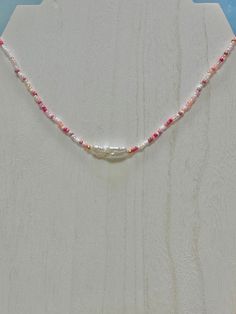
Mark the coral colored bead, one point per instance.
(86, 146)
(60, 124)
(213, 69)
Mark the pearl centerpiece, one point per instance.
(109, 153)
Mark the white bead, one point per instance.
(36, 98)
(163, 128)
(176, 117)
(57, 120)
(143, 145)
(200, 86)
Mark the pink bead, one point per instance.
(213, 69)
(1, 42)
(38, 101)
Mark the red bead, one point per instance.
(169, 121)
(17, 71)
(44, 108)
(153, 137)
(34, 93)
(134, 149)
(66, 130)
(221, 59)
(1, 42)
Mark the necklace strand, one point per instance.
(109, 152)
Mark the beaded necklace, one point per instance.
(110, 152)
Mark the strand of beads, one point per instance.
(111, 153)
(190, 102)
(42, 106)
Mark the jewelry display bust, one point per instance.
(154, 233)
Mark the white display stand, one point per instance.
(154, 234)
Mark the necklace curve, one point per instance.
(112, 153)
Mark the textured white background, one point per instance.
(154, 234)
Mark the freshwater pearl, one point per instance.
(109, 153)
